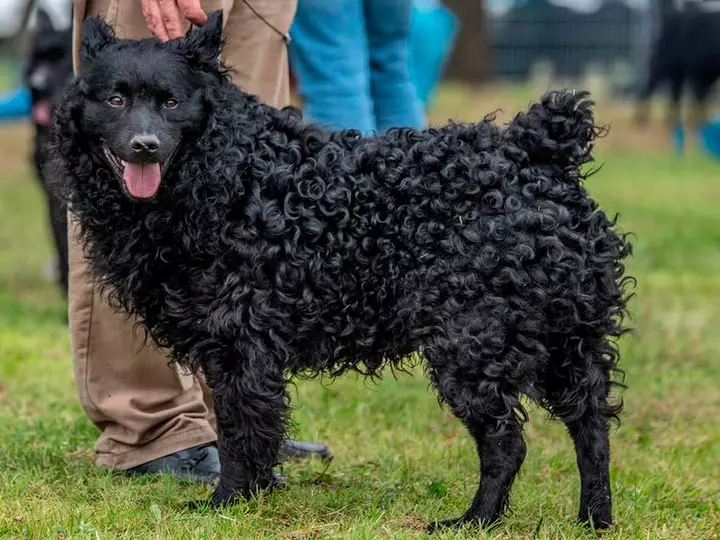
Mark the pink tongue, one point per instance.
(142, 180)
(41, 113)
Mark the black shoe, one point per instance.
(200, 464)
(292, 449)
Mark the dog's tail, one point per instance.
(558, 131)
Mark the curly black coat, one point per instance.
(274, 248)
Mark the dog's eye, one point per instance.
(171, 104)
(116, 101)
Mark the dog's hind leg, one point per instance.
(592, 448)
(701, 88)
(578, 386)
(59, 226)
(487, 407)
(674, 111)
(252, 407)
(642, 107)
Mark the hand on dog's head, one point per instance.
(201, 44)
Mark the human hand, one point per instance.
(165, 17)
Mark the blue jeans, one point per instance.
(351, 61)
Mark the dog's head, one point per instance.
(136, 103)
(48, 67)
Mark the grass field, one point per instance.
(400, 459)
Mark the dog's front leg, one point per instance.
(252, 410)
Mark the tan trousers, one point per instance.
(145, 407)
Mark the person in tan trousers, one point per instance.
(153, 416)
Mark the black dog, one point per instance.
(684, 57)
(258, 248)
(49, 68)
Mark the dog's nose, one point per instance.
(144, 144)
(39, 80)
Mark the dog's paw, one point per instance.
(223, 496)
(597, 522)
(472, 521)
(200, 505)
(437, 526)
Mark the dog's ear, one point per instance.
(67, 112)
(96, 35)
(65, 135)
(43, 21)
(202, 44)
(66, 142)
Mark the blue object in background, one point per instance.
(352, 62)
(678, 137)
(15, 105)
(710, 137)
(433, 30)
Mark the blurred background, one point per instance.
(467, 58)
(474, 56)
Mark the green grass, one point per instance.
(400, 459)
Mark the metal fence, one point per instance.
(571, 39)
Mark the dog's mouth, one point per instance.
(41, 112)
(141, 180)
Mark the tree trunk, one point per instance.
(471, 59)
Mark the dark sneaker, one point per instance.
(291, 449)
(200, 464)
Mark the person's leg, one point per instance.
(256, 47)
(144, 408)
(395, 99)
(329, 57)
